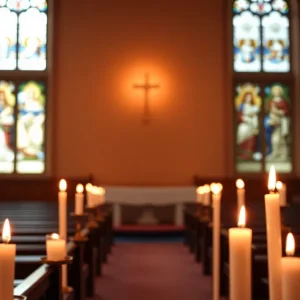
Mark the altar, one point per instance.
(149, 197)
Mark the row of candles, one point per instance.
(284, 272)
(55, 243)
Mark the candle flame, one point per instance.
(242, 217)
(55, 236)
(272, 179)
(79, 188)
(88, 187)
(240, 184)
(200, 190)
(279, 185)
(216, 188)
(206, 188)
(62, 185)
(6, 236)
(290, 245)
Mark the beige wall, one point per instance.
(102, 48)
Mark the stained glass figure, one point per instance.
(8, 38)
(31, 128)
(276, 42)
(248, 106)
(7, 126)
(277, 126)
(246, 42)
(32, 40)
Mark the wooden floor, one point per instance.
(152, 271)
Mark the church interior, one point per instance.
(150, 150)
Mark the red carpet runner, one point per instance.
(152, 271)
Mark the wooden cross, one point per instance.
(146, 87)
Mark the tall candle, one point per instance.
(273, 222)
(281, 188)
(240, 185)
(7, 264)
(62, 215)
(206, 195)
(102, 195)
(216, 189)
(79, 199)
(240, 240)
(290, 271)
(88, 189)
(55, 247)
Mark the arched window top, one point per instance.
(261, 38)
(23, 34)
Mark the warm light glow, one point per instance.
(272, 179)
(54, 236)
(6, 236)
(242, 217)
(278, 185)
(88, 187)
(62, 185)
(206, 188)
(101, 191)
(240, 184)
(216, 188)
(200, 190)
(79, 188)
(290, 245)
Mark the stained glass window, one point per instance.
(23, 98)
(262, 105)
(23, 34)
(261, 41)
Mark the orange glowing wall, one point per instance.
(102, 48)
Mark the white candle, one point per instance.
(290, 271)
(206, 195)
(240, 185)
(102, 195)
(199, 194)
(89, 199)
(273, 222)
(79, 199)
(7, 264)
(55, 247)
(240, 240)
(216, 189)
(281, 188)
(62, 215)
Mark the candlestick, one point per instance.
(273, 238)
(216, 189)
(79, 199)
(290, 271)
(55, 247)
(240, 185)
(7, 265)
(281, 188)
(240, 240)
(62, 202)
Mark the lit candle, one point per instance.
(7, 264)
(55, 247)
(240, 185)
(240, 240)
(290, 271)
(79, 200)
(102, 193)
(88, 189)
(273, 222)
(281, 188)
(216, 189)
(62, 215)
(199, 193)
(206, 195)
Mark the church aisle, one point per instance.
(152, 271)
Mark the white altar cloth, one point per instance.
(157, 196)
